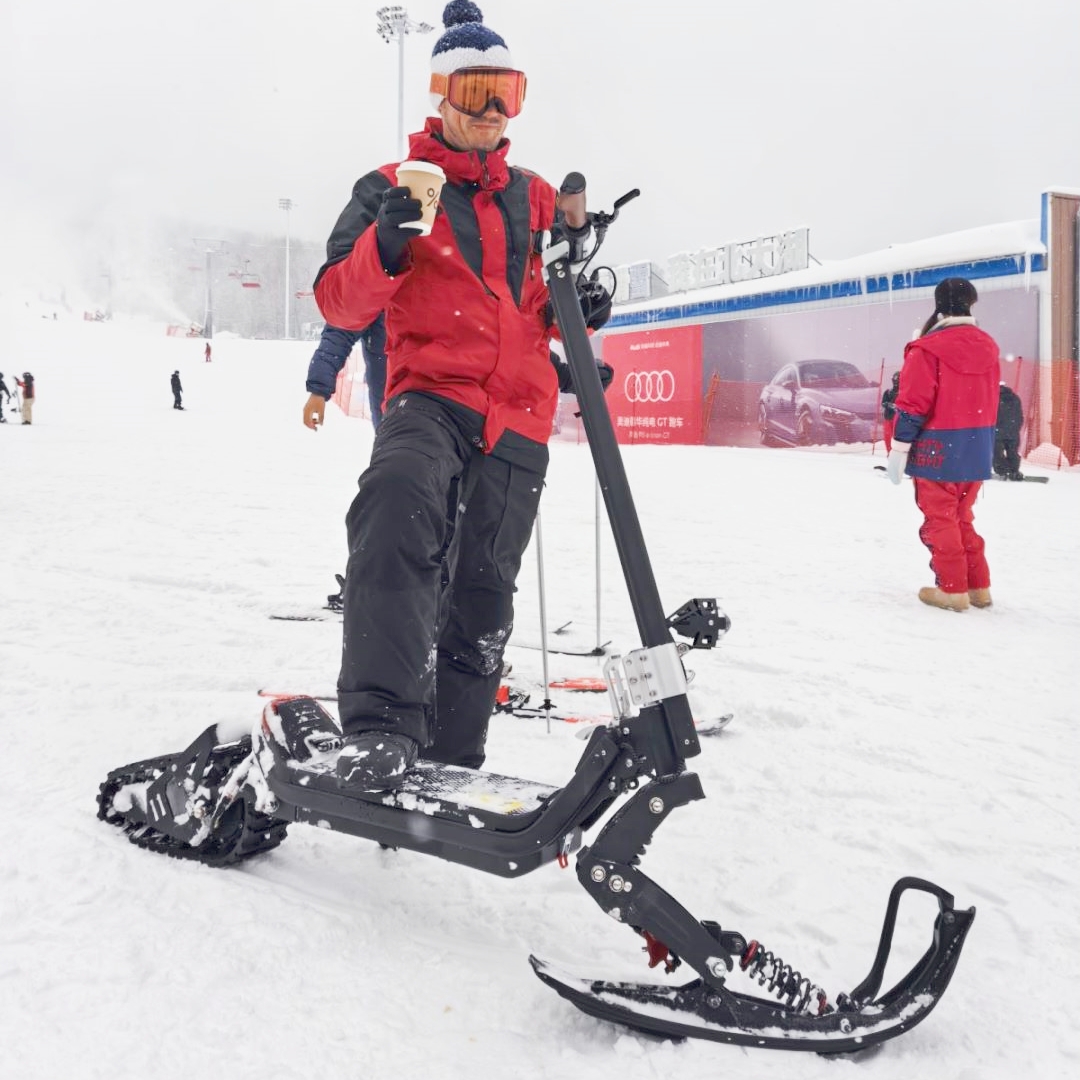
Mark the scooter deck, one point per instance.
(438, 789)
(501, 824)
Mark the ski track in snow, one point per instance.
(873, 738)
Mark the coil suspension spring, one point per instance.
(790, 986)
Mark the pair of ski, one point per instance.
(516, 703)
(329, 611)
(704, 728)
(1027, 479)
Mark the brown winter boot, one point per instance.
(980, 598)
(933, 596)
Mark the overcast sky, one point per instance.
(871, 124)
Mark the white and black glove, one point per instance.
(897, 462)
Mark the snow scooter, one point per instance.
(230, 796)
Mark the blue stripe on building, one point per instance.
(1002, 266)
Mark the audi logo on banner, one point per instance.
(649, 387)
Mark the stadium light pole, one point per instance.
(286, 205)
(394, 24)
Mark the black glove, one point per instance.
(562, 370)
(398, 208)
(595, 302)
(566, 376)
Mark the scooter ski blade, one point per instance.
(711, 1010)
(695, 1010)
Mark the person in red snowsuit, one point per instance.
(445, 509)
(946, 409)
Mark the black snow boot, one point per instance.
(375, 760)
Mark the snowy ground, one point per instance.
(143, 551)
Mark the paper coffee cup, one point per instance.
(425, 182)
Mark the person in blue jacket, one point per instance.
(333, 351)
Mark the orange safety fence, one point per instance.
(1050, 393)
(710, 401)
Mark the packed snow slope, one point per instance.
(144, 550)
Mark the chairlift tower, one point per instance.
(394, 24)
(210, 248)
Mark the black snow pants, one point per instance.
(436, 535)
(1006, 456)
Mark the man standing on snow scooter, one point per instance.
(471, 396)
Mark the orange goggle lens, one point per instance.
(475, 90)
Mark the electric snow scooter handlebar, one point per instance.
(230, 795)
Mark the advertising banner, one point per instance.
(816, 377)
(656, 395)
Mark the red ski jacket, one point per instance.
(466, 316)
(947, 403)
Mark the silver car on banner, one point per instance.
(814, 402)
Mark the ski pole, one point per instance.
(543, 617)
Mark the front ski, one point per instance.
(803, 1018)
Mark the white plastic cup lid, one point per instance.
(422, 166)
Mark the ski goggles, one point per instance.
(473, 91)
